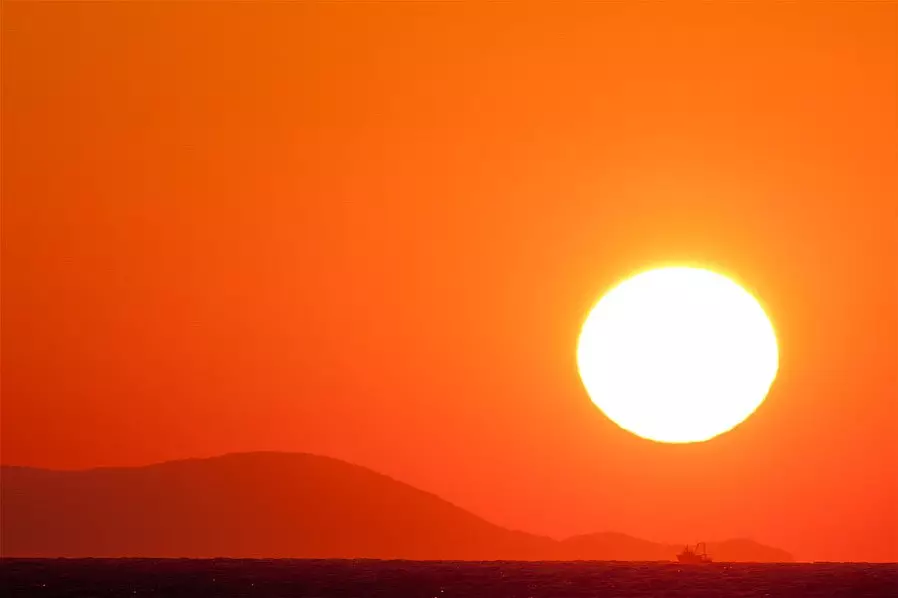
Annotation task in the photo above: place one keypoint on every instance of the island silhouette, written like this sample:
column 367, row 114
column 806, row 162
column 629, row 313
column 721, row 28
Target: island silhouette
column 279, row 505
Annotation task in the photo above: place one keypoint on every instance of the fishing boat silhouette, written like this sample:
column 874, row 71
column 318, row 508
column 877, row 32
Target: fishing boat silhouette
column 694, row 556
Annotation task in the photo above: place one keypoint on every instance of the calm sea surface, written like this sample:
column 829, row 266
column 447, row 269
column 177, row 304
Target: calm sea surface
column 408, row 579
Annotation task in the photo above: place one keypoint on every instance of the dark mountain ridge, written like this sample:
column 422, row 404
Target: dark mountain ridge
column 270, row 505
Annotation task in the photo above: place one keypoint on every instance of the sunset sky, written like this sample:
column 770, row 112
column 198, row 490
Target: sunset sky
column 373, row 230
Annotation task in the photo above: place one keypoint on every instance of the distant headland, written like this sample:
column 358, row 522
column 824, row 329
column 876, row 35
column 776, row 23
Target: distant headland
column 279, row 505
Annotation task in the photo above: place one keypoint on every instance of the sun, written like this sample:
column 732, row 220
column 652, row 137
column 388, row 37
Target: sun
column 677, row 354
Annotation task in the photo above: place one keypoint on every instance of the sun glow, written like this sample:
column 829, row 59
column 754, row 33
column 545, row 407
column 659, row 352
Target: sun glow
column 677, row 354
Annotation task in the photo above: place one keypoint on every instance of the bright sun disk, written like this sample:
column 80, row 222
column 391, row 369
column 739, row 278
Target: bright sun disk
column 677, row 354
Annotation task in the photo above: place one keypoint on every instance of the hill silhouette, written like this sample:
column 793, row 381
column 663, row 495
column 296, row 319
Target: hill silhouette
column 270, row 505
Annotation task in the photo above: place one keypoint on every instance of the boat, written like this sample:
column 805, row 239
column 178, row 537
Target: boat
column 694, row 556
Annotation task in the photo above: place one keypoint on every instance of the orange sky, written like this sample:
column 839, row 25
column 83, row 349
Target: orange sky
column 372, row 231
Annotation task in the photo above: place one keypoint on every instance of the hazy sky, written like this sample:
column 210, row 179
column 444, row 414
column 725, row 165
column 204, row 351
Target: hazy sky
column 372, row 231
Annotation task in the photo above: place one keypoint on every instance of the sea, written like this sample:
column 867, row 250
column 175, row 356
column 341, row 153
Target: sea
column 284, row 578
